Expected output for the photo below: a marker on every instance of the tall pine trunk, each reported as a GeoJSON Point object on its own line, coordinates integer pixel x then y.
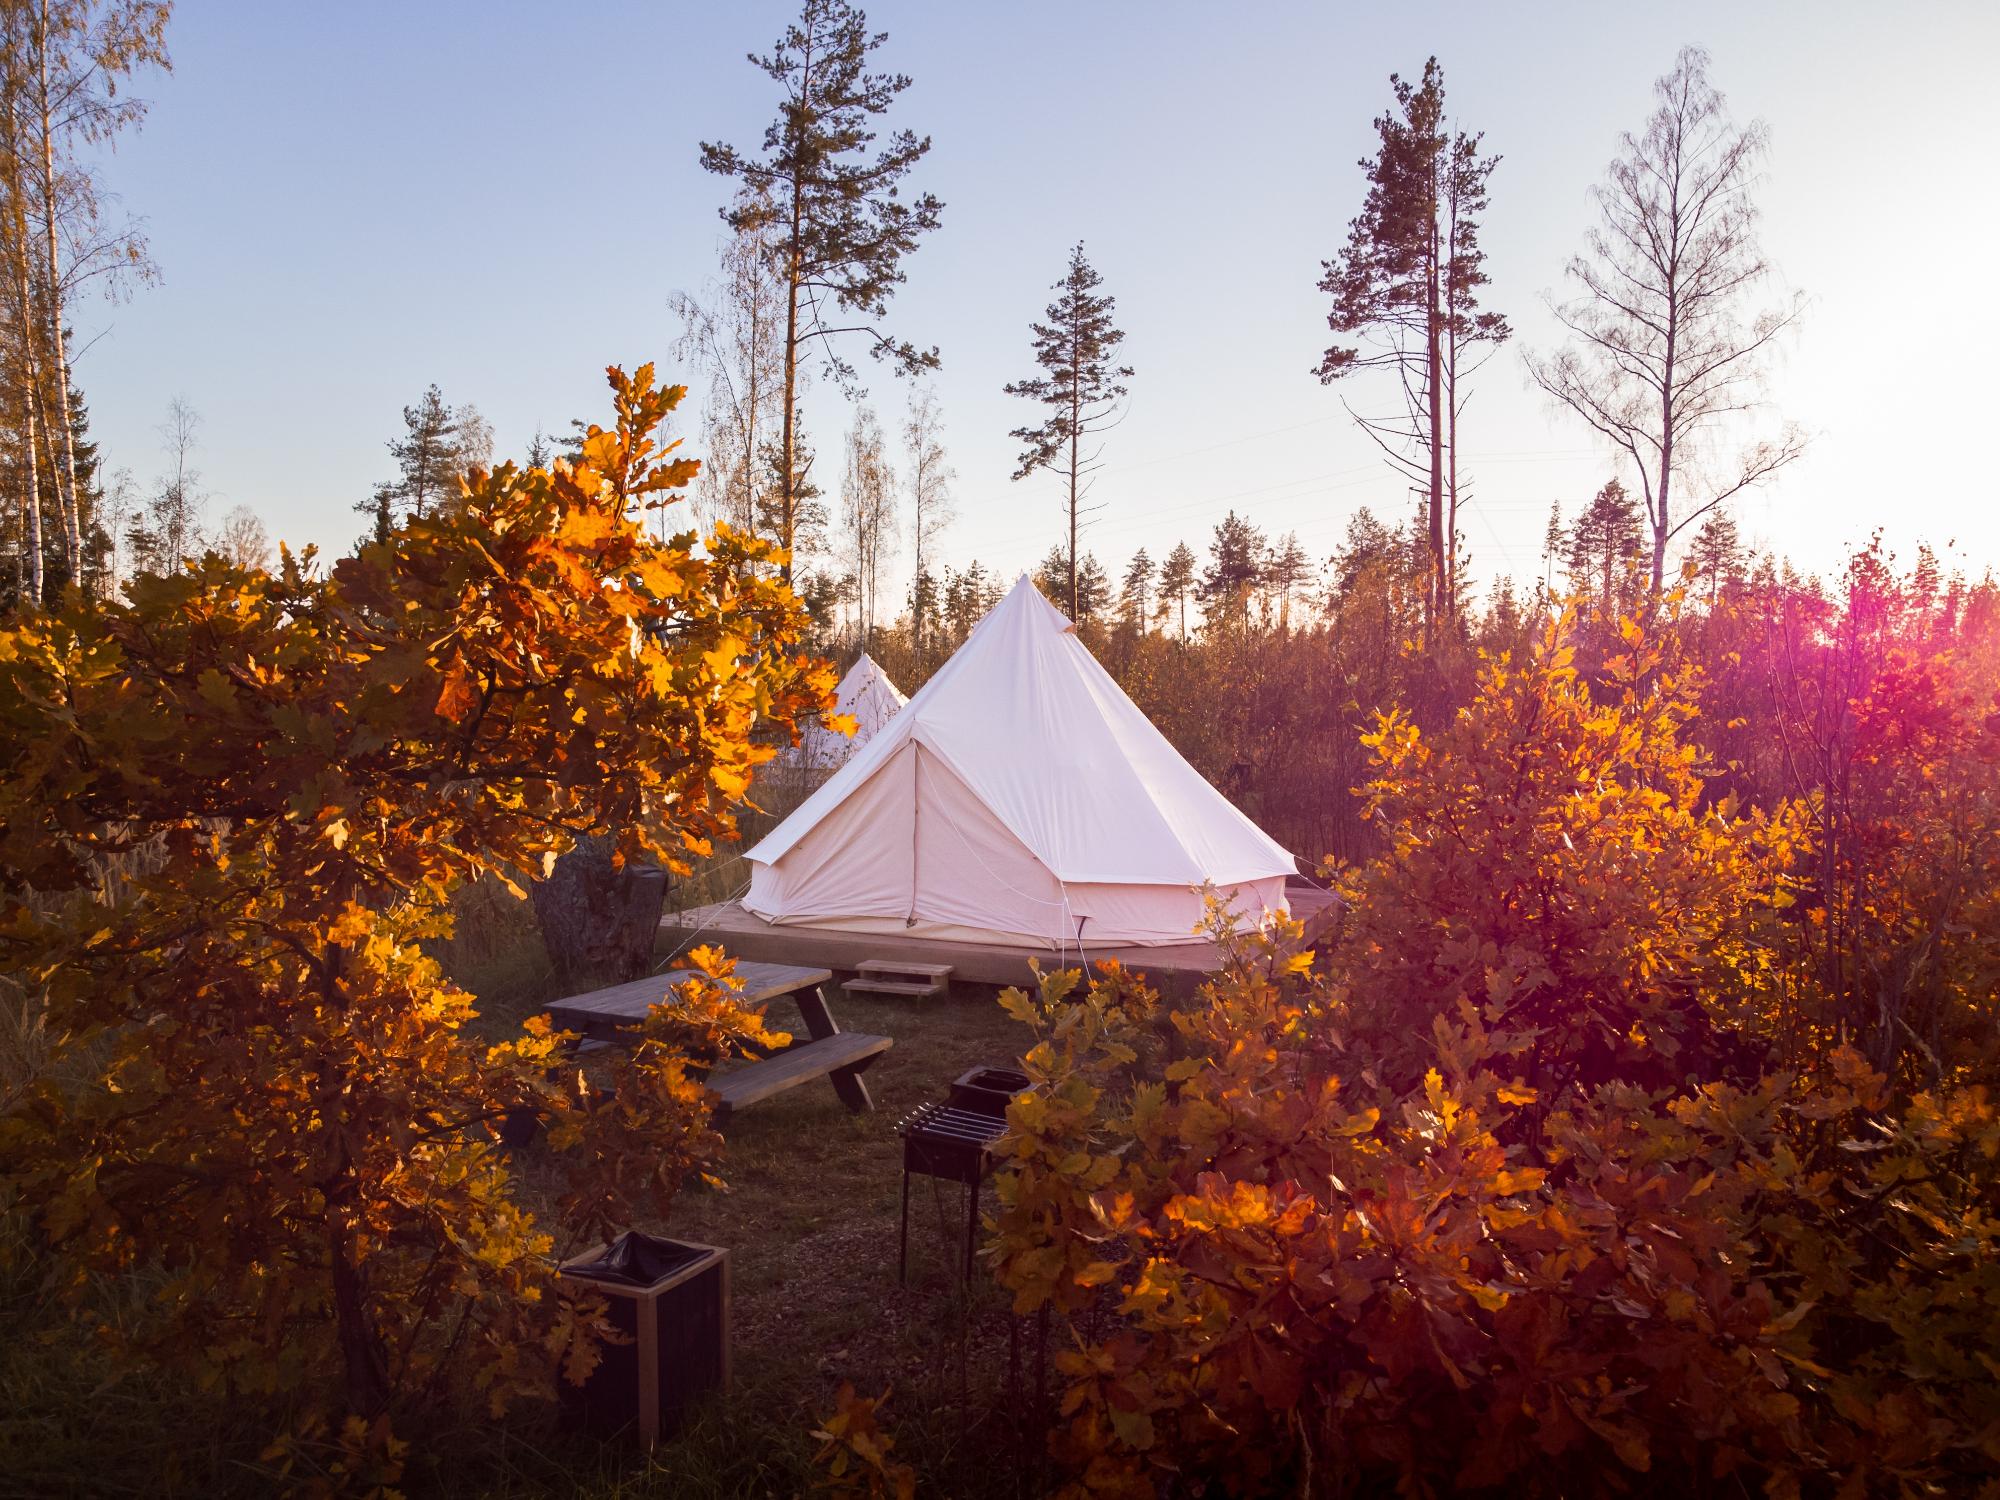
{"type": "Point", "coordinates": [1440, 590]}
{"type": "Point", "coordinates": [1451, 443]}
{"type": "Point", "coordinates": [788, 490]}
{"type": "Point", "coordinates": [794, 270]}
{"type": "Point", "coordinates": [1075, 437]}
{"type": "Point", "coordinates": [749, 512]}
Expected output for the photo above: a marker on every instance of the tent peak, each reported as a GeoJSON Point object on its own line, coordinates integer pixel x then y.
{"type": "Point", "coordinates": [1025, 590]}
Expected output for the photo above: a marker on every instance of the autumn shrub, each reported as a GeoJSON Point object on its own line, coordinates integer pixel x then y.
{"type": "Point", "coordinates": [854, 1455]}
{"type": "Point", "coordinates": [1877, 705]}
{"type": "Point", "coordinates": [1511, 1189]}
{"type": "Point", "coordinates": [260, 1091]}
{"type": "Point", "coordinates": [1555, 886]}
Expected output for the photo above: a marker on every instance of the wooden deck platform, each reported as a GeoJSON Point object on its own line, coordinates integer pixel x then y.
{"type": "Point", "coordinates": [729, 927]}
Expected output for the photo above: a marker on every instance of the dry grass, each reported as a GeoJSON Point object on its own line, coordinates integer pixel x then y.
{"type": "Point", "coordinates": [810, 1220]}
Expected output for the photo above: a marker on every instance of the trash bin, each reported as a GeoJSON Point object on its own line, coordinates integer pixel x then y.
{"type": "Point", "coordinates": [988, 1091]}
{"type": "Point", "coordinates": [671, 1299]}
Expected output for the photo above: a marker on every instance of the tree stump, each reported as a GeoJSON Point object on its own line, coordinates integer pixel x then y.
{"type": "Point", "coordinates": [599, 922]}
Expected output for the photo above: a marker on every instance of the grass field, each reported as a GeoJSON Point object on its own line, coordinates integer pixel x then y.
{"type": "Point", "coordinates": [810, 1221]}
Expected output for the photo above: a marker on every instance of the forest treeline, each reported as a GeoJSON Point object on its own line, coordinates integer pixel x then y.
{"type": "Point", "coordinates": [1270, 694]}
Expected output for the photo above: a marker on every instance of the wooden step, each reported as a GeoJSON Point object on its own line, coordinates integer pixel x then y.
{"type": "Point", "coordinates": [887, 966]}
{"type": "Point", "coordinates": [869, 985]}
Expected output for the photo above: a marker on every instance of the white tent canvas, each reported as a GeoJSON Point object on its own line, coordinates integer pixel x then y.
{"type": "Point", "coordinates": [864, 692]}
{"type": "Point", "coordinates": [1020, 797]}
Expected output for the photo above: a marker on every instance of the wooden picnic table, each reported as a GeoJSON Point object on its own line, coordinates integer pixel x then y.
{"type": "Point", "coordinates": [603, 1015]}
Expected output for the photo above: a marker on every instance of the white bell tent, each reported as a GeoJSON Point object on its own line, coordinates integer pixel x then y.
{"type": "Point", "coordinates": [1020, 798]}
{"type": "Point", "coordinates": [865, 692]}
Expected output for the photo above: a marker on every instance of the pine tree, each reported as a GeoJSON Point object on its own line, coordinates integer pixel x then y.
{"type": "Point", "coordinates": [819, 591]}
{"type": "Point", "coordinates": [1176, 583]}
{"type": "Point", "coordinates": [426, 454]}
{"type": "Point", "coordinates": [1369, 547]}
{"type": "Point", "coordinates": [438, 444]}
{"type": "Point", "coordinates": [1079, 385]}
{"type": "Point", "coordinates": [1554, 546]}
{"type": "Point", "coordinates": [1286, 574]}
{"type": "Point", "coordinates": [968, 595]}
{"type": "Point", "coordinates": [1408, 282]}
{"type": "Point", "coordinates": [1135, 589]}
{"type": "Point", "coordinates": [1236, 561]}
{"type": "Point", "coordinates": [829, 211]}
{"type": "Point", "coordinates": [1093, 589]}
{"type": "Point", "coordinates": [926, 602]}
{"type": "Point", "coordinates": [1052, 574]}
{"type": "Point", "coordinates": [1604, 541]}
{"type": "Point", "coordinates": [1717, 552]}
{"type": "Point", "coordinates": [801, 508]}
{"type": "Point", "coordinates": [92, 565]}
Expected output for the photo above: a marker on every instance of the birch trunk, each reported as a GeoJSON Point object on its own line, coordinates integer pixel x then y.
{"type": "Point", "coordinates": [65, 471]}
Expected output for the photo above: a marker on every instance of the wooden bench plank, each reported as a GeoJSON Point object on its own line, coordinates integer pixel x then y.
{"type": "Point", "coordinates": [843, 1055]}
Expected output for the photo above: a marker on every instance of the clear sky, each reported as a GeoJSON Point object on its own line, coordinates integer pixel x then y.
{"type": "Point", "coordinates": [349, 202]}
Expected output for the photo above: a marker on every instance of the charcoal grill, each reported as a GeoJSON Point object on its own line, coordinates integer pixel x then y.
{"type": "Point", "coordinates": [953, 1140]}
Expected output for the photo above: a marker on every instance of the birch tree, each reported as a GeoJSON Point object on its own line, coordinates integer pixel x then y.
{"type": "Point", "coordinates": [1666, 354]}
{"type": "Point", "coordinates": [243, 539]}
{"type": "Point", "coordinates": [168, 531]}
{"type": "Point", "coordinates": [732, 338]}
{"type": "Point", "coordinates": [931, 507]}
{"type": "Point", "coordinates": [868, 516]}
{"type": "Point", "coordinates": [67, 65]}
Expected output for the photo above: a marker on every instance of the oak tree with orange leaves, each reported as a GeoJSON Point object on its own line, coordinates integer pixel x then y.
{"type": "Point", "coordinates": [232, 809]}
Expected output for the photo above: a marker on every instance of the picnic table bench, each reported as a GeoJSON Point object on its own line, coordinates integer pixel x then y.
{"type": "Point", "coordinates": [827, 1051]}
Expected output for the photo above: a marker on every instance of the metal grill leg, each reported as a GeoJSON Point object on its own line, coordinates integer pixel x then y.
{"type": "Point", "coordinates": [971, 1226]}
{"type": "Point", "coordinates": [903, 1248]}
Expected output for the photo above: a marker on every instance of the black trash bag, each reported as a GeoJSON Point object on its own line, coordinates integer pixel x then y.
{"type": "Point", "coordinates": [636, 1259]}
